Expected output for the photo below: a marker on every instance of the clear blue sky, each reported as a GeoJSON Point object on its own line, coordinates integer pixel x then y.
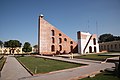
{"type": "Point", "coordinates": [19, 18]}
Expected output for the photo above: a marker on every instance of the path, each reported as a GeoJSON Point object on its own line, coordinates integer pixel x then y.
{"type": "Point", "coordinates": [13, 70]}
{"type": "Point", "coordinates": [72, 74]}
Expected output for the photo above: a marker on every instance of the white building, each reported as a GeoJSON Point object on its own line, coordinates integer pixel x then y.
{"type": "Point", "coordinates": [17, 50]}
{"type": "Point", "coordinates": [87, 43]}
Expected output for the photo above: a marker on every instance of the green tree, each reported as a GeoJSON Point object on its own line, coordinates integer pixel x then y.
{"type": "Point", "coordinates": [106, 38]}
{"type": "Point", "coordinates": [27, 47]}
{"type": "Point", "coordinates": [1, 44]}
{"type": "Point", "coordinates": [35, 48]}
{"type": "Point", "coordinates": [12, 44]}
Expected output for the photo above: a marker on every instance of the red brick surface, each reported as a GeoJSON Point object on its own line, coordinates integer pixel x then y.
{"type": "Point", "coordinates": [45, 39]}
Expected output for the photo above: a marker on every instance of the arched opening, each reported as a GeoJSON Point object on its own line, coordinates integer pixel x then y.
{"type": "Point", "coordinates": [115, 45]}
{"type": "Point", "coordinates": [60, 34]}
{"type": "Point", "coordinates": [5, 51]}
{"type": "Point", "coordinates": [60, 48]}
{"type": "Point", "coordinates": [52, 48]}
{"type": "Point", "coordinates": [53, 40]}
{"type": "Point", "coordinates": [111, 46]}
{"type": "Point", "coordinates": [90, 49]}
{"type": "Point", "coordinates": [65, 39]}
{"type": "Point", "coordinates": [18, 51]}
{"type": "Point", "coordinates": [71, 48]}
{"type": "Point", "coordinates": [95, 50]}
{"type": "Point", "coordinates": [107, 47]}
{"type": "Point", "coordinates": [94, 41]}
{"type": "Point", "coordinates": [12, 51]}
{"type": "Point", "coordinates": [52, 32]}
{"type": "Point", "coordinates": [71, 42]}
{"type": "Point", "coordinates": [104, 47]}
{"type": "Point", "coordinates": [60, 40]}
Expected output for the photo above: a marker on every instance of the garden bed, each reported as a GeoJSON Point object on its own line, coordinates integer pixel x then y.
{"type": "Point", "coordinates": [93, 57]}
{"type": "Point", "coordinates": [2, 62]}
{"type": "Point", "coordinates": [103, 76]}
{"type": "Point", "coordinates": [38, 65]}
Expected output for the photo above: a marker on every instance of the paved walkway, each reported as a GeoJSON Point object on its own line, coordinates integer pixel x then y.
{"type": "Point", "coordinates": [13, 70]}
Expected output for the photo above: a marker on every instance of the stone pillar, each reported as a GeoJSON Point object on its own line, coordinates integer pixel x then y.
{"type": "Point", "coordinates": [41, 16]}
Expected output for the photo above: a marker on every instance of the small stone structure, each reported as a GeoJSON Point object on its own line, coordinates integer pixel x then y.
{"type": "Point", "coordinates": [87, 43]}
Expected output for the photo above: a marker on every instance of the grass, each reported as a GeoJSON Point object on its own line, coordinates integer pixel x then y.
{"type": "Point", "coordinates": [94, 56]}
{"type": "Point", "coordinates": [45, 65]}
{"type": "Point", "coordinates": [103, 76]}
{"type": "Point", "coordinates": [2, 61]}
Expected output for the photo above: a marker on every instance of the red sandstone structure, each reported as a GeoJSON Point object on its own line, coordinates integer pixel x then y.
{"type": "Point", "coordinates": [53, 41]}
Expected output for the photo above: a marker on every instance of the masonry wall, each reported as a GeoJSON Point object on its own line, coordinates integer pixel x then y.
{"type": "Point", "coordinates": [53, 41]}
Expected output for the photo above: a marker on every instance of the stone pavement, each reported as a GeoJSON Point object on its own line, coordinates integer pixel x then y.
{"type": "Point", "coordinates": [13, 70]}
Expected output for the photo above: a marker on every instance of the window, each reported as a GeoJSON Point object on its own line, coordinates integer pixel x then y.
{"type": "Point", "coordinates": [52, 48]}
{"type": "Point", "coordinates": [71, 42]}
{"type": "Point", "coordinates": [60, 48]}
{"type": "Point", "coordinates": [60, 40]}
{"type": "Point", "coordinates": [65, 39]}
{"type": "Point", "coordinates": [53, 32]}
{"type": "Point", "coordinates": [53, 40]}
{"type": "Point", "coordinates": [60, 34]}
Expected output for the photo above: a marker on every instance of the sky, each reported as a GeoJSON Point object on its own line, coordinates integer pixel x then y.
{"type": "Point", "coordinates": [19, 18]}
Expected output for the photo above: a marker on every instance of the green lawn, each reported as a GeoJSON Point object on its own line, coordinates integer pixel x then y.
{"type": "Point", "coordinates": [103, 76]}
{"type": "Point", "coordinates": [93, 56]}
{"type": "Point", "coordinates": [2, 62]}
{"type": "Point", "coordinates": [45, 65]}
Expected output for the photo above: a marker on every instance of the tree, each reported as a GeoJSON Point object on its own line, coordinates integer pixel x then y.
{"type": "Point", "coordinates": [12, 44]}
{"type": "Point", "coordinates": [1, 44]}
{"type": "Point", "coordinates": [35, 48]}
{"type": "Point", "coordinates": [106, 38]}
{"type": "Point", "coordinates": [116, 38]}
{"type": "Point", "coordinates": [27, 47]}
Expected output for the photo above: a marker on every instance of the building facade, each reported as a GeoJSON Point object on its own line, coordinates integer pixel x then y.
{"type": "Point", "coordinates": [110, 46]}
{"type": "Point", "coordinates": [17, 50]}
{"type": "Point", "coordinates": [87, 43]}
{"type": "Point", "coordinates": [53, 41]}
{"type": "Point", "coordinates": [11, 51]}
